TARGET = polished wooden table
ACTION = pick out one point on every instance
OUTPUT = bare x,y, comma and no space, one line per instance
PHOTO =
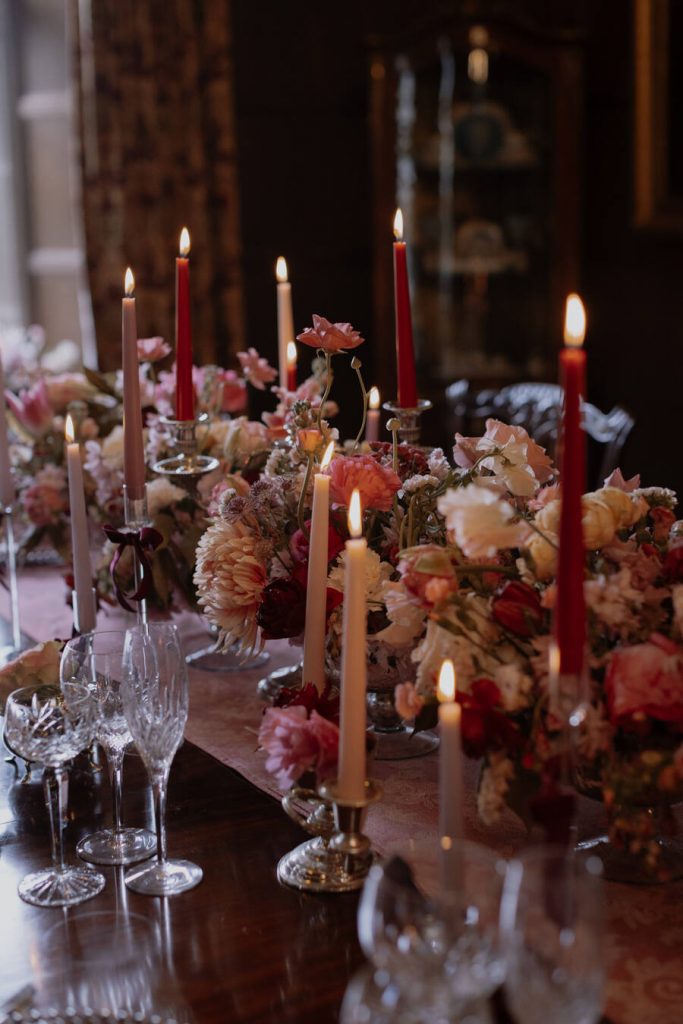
239,947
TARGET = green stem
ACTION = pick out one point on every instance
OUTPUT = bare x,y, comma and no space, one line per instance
328,388
365,406
302,497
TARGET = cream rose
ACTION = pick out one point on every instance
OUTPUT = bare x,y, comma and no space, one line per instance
548,518
543,550
626,508
599,522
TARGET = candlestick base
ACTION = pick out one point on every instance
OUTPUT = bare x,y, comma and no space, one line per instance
285,678
136,516
85,618
409,419
187,462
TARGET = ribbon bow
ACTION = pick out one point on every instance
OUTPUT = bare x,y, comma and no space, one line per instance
144,543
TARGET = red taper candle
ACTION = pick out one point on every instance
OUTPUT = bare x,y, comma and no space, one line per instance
405,354
570,608
184,399
291,366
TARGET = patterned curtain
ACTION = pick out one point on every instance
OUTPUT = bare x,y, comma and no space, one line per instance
158,151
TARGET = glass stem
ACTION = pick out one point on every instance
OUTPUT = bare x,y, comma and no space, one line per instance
55,784
115,762
159,787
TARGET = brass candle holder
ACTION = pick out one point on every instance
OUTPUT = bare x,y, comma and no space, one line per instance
409,419
186,463
339,857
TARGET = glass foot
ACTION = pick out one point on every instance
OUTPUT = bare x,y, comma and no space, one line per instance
164,878
61,887
123,847
403,743
208,659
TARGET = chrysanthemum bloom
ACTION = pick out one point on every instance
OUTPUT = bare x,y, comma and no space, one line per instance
377,483
230,577
330,337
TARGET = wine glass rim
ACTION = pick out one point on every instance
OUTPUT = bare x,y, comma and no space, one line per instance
76,642
31,688
152,627
587,861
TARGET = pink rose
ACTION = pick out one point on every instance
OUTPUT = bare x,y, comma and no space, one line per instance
646,679
151,350
292,748
32,408
616,479
408,701
256,369
427,573
377,484
330,337
326,734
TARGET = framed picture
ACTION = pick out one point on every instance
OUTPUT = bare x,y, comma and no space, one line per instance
658,112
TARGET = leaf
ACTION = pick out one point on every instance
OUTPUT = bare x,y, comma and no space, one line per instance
99,381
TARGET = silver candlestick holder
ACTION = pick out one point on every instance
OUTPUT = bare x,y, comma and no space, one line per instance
409,419
186,463
136,516
10,650
339,857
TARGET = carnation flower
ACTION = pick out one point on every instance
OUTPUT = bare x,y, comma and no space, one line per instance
287,739
330,337
151,350
256,369
481,521
230,576
377,483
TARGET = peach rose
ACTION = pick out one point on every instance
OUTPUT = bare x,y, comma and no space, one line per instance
330,337
377,484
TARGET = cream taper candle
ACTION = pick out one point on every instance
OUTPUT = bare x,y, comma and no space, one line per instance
352,712
87,615
372,422
133,449
316,591
450,781
285,317
7,489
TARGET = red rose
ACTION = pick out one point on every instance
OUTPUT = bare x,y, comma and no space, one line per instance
299,544
518,608
282,612
484,725
673,563
308,697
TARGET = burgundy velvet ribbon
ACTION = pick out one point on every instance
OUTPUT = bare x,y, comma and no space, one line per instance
144,543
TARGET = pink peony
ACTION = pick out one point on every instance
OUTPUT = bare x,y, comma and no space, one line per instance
646,679
377,484
256,369
330,337
616,479
408,701
151,350
32,408
291,746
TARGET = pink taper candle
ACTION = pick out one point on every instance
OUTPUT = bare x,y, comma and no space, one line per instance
316,591
80,544
133,449
7,489
352,713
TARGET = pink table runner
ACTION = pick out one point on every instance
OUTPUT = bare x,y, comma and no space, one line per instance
644,926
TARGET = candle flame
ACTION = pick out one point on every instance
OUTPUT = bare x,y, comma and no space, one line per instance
327,457
355,515
184,242
129,282
374,397
398,225
69,431
281,270
574,321
446,687
291,355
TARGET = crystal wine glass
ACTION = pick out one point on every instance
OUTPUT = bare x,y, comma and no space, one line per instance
50,726
155,701
96,661
552,923
438,950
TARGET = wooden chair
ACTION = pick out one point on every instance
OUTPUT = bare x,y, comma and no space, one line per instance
537,408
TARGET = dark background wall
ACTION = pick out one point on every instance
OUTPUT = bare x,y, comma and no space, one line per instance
302,111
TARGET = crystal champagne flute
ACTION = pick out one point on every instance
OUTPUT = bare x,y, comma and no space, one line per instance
155,701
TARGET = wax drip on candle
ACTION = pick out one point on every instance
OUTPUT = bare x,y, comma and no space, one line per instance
281,270
355,515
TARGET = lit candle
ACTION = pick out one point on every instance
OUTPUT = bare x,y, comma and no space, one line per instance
285,317
405,355
372,422
352,713
450,782
316,591
291,366
133,451
184,399
7,490
570,609
87,616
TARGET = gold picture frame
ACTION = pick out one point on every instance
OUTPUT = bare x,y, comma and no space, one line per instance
656,204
